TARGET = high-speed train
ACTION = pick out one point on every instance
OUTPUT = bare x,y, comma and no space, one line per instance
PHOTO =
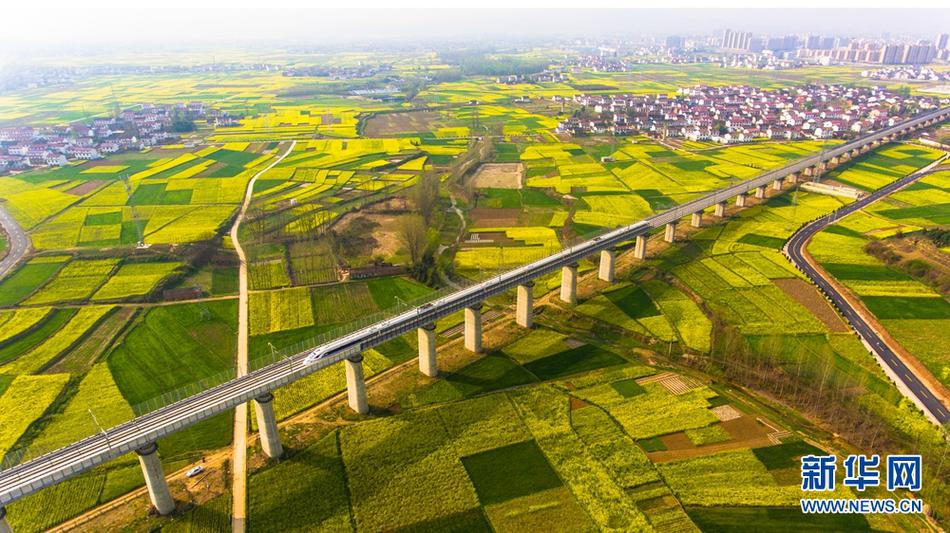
362,339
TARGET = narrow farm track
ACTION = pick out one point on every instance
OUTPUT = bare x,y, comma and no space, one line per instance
239,469
19,242
912,378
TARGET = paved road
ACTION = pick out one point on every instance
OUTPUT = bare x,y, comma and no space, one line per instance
795,250
239,443
19,242
33,475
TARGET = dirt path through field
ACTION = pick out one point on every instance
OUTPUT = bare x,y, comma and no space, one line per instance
239,445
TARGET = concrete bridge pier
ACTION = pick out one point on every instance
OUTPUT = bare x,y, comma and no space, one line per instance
640,250
155,481
808,172
835,161
267,426
569,283
524,309
696,220
777,184
356,384
793,178
721,209
606,270
428,364
740,199
669,235
4,525
760,192
473,328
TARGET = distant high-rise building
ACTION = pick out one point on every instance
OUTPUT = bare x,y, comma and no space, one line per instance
892,54
918,54
827,43
776,44
726,38
736,40
675,41
943,41
813,42
791,42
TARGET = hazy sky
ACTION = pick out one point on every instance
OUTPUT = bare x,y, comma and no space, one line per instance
317,26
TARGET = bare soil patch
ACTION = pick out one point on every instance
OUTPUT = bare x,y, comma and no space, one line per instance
577,403
746,428
499,176
214,167
385,234
487,217
677,441
811,299
392,123
85,187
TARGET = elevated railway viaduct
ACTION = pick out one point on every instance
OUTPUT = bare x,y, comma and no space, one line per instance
141,434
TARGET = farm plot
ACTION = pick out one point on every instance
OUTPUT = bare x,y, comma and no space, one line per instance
172,346
15,323
22,344
58,342
275,493
629,307
491,249
31,204
25,400
76,282
183,198
135,279
463,447
280,310
97,393
880,167
732,478
499,176
656,412
546,413
612,210
28,278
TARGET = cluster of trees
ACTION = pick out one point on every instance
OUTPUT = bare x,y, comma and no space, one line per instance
479,63
858,406
417,230
182,122
898,254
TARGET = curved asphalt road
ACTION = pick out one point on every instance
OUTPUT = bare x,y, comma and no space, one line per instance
795,249
19,242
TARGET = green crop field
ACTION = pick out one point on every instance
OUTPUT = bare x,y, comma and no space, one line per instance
276,492
57,343
28,278
913,312
24,400
173,346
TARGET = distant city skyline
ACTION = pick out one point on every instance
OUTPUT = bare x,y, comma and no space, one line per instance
319,26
